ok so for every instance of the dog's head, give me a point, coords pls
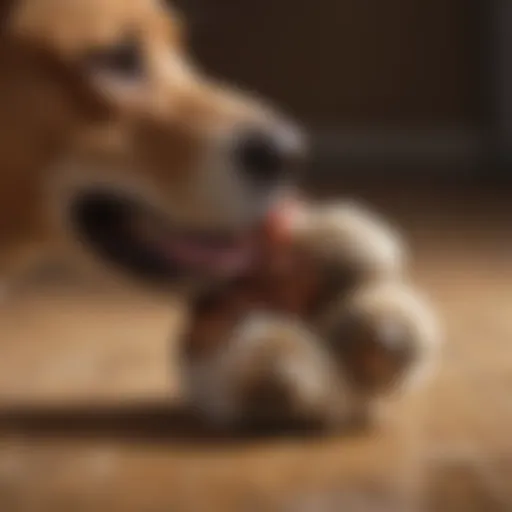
(169, 170)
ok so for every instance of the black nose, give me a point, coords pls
(266, 157)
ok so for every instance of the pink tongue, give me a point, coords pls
(233, 259)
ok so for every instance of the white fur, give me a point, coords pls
(350, 231)
(300, 361)
(419, 313)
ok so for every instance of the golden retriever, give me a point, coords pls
(110, 136)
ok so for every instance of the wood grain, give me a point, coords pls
(89, 419)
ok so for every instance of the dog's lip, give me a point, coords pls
(225, 251)
(128, 232)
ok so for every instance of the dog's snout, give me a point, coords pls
(266, 156)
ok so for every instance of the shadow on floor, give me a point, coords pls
(146, 423)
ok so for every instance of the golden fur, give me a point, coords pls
(156, 136)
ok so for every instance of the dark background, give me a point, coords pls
(395, 84)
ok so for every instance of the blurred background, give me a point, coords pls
(400, 84)
(409, 105)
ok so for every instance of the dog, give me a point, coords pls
(118, 151)
(326, 332)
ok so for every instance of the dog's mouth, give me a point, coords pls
(137, 239)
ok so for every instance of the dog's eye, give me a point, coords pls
(124, 59)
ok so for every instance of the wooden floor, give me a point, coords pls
(88, 418)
